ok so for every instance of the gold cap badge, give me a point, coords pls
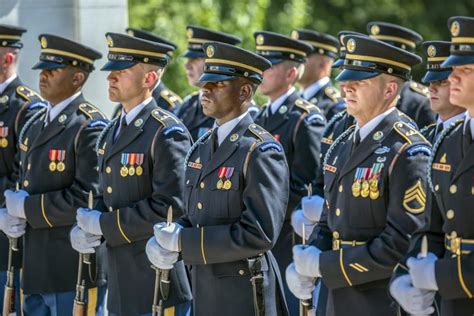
(375, 29)
(44, 42)
(189, 33)
(110, 42)
(260, 39)
(210, 51)
(294, 35)
(351, 45)
(431, 51)
(455, 28)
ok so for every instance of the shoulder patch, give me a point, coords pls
(27, 93)
(98, 123)
(333, 94)
(173, 128)
(37, 105)
(270, 145)
(419, 88)
(410, 134)
(172, 98)
(419, 149)
(91, 111)
(314, 117)
(260, 132)
(306, 106)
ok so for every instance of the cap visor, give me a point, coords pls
(47, 65)
(435, 76)
(458, 60)
(275, 61)
(349, 74)
(112, 65)
(211, 77)
(193, 54)
(338, 63)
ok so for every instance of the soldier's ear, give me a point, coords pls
(246, 92)
(79, 78)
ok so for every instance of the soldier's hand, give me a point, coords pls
(422, 272)
(168, 235)
(15, 202)
(301, 286)
(159, 256)
(306, 259)
(298, 220)
(413, 300)
(312, 207)
(84, 242)
(89, 220)
(12, 226)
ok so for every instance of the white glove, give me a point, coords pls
(159, 256)
(15, 202)
(168, 236)
(312, 207)
(413, 300)
(301, 286)
(422, 272)
(306, 259)
(12, 226)
(89, 220)
(298, 220)
(83, 242)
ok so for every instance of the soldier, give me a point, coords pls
(370, 209)
(236, 193)
(413, 100)
(141, 158)
(297, 124)
(315, 81)
(191, 112)
(164, 97)
(57, 145)
(17, 104)
(446, 267)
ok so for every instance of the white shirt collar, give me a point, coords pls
(130, 116)
(275, 105)
(450, 120)
(372, 124)
(469, 119)
(5, 84)
(315, 87)
(224, 130)
(53, 111)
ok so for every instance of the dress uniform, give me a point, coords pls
(236, 197)
(17, 104)
(450, 232)
(51, 143)
(370, 211)
(141, 158)
(321, 92)
(298, 125)
(414, 99)
(164, 97)
(191, 111)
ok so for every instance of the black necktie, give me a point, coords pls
(467, 138)
(214, 141)
(439, 129)
(356, 141)
(123, 125)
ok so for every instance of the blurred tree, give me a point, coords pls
(243, 17)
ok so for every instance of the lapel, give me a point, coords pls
(9, 91)
(277, 119)
(130, 133)
(227, 148)
(368, 145)
(55, 127)
(468, 161)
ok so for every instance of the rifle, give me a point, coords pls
(80, 305)
(162, 279)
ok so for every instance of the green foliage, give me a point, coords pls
(243, 17)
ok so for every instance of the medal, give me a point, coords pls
(220, 184)
(131, 171)
(227, 185)
(61, 155)
(52, 166)
(139, 171)
(52, 158)
(222, 171)
(365, 190)
(356, 186)
(3, 143)
(3, 136)
(124, 171)
(228, 174)
(374, 195)
(61, 166)
(132, 161)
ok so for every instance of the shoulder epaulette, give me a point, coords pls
(306, 106)
(260, 132)
(172, 98)
(91, 111)
(333, 94)
(27, 94)
(169, 122)
(419, 88)
(436, 145)
(410, 134)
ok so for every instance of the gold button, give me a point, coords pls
(200, 205)
(26, 183)
(450, 214)
(338, 212)
(335, 235)
(108, 170)
(201, 185)
(109, 190)
(437, 187)
(28, 167)
(453, 189)
(454, 234)
(340, 188)
(241, 272)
